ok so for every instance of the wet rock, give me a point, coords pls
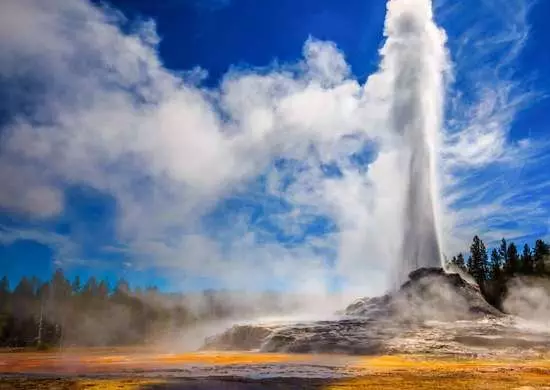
(241, 337)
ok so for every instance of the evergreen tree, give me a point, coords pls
(6, 320)
(25, 312)
(459, 262)
(503, 252)
(4, 294)
(103, 290)
(478, 263)
(23, 299)
(58, 311)
(512, 260)
(121, 292)
(122, 287)
(61, 292)
(527, 261)
(75, 286)
(35, 285)
(542, 250)
(90, 288)
(496, 265)
(61, 287)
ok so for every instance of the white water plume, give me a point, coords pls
(415, 59)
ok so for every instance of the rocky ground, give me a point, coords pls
(433, 313)
(435, 332)
(375, 373)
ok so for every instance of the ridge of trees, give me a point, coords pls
(60, 312)
(505, 262)
(64, 313)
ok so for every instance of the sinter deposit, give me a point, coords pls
(433, 312)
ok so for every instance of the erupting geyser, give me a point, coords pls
(415, 59)
(431, 310)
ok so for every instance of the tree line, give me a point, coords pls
(493, 272)
(60, 312)
(64, 313)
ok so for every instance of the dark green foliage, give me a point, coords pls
(511, 266)
(459, 261)
(541, 253)
(493, 274)
(495, 267)
(477, 263)
(61, 313)
(527, 267)
(503, 252)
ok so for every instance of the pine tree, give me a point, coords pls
(512, 260)
(103, 290)
(4, 294)
(90, 288)
(122, 287)
(61, 288)
(25, 313)
(121, 292)
(527, 261)
(484, 263)
(459, 261)
(23, 297)
(61, 295)
(542, 250)
(503, 252)
(75, 286)
(496, 265)
(478, 264)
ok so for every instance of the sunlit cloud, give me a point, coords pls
(104, 112)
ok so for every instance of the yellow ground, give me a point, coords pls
(76, 384)
(375, 373)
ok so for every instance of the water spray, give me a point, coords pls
(415, 58)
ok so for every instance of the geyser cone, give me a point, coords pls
(371, 325)
(415, 57)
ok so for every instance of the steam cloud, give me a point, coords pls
(529, 299)
(100, 110)
(416, 59)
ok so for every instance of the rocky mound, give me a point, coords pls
(429, 294)
(370, 324)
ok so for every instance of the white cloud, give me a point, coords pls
(109, 116)
(488, 176)
(105, 113)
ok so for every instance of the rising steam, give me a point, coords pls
(415, 57)
(99, 110)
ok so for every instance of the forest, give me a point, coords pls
(494, 272)
(60, 312)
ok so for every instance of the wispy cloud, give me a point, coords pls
(103, 112)
(65, 250)
(109, 116)
(490, 179)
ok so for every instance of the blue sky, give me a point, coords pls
(138, 141)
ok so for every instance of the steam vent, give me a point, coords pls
(432, 309)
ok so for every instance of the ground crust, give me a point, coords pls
(138, 369)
